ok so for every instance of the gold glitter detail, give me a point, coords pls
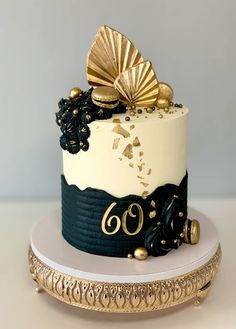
(181, 214)
(144, 184)
(153, 204)
(141, 153)
(128, 151)
(115, 143)
(120, 159)
(152, 214)
(149, 171)
(163, 241)
(132, 127)
(136, 142)
(121, 131)
(144, 194)
(116, 121)
(131, 165)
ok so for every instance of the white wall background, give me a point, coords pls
(43, 48)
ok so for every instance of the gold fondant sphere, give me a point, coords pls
(140, 253)
(165, 91)
(75, 92)
(130, 256)
(162, 103)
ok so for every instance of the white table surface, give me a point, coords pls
(21, 307)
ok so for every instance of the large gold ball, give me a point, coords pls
(75, 92)
(140, 253)
(165, 91)
(162, 103)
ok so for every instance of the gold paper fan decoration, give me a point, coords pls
(138, 85)
(110, 54)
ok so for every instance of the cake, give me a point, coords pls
(124, 140)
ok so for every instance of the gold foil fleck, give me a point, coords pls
(131, 165)
(140, 167)
(141, 153)
(136, 142)
(153, 204)
(149, 171)
(144, 194)
(128, 151)
(120, 158)
(116, 120)
(115, 143)
(132, 127)
(152, 214)
(144, 184)
(121, 131)
(140, 177)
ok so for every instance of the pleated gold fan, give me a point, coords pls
(110, 54)
(138, 85)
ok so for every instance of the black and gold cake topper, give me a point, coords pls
(115, 62)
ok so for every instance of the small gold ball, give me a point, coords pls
(166, 109)
(163, 241)
(150, 109)
(75, 112)
(140, 253)
(75, 92)
(181, 214)
(130, 256)
(165, 91)
(132, 113)
(162, 103)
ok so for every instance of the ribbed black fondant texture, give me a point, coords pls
(82, 213)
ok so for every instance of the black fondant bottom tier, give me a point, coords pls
(96, 222)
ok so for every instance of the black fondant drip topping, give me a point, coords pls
(82, 213)
(73, 117)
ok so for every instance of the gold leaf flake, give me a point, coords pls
(132, 127)
(116, 120)
(120, 158)
(121, 131)
(131, 165)
(149, 171)
(144, 184)
(141, 153)
(153, 204)
(140, 177)
(136, 142)
(115, 143)
(140, 167)
(128, 151)
(152, 214)
(144, 194)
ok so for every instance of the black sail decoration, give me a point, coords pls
(167, 233)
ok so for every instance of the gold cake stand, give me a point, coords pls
(75, 278)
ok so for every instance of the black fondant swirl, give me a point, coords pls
(82, 212)
(75, 114)
(166, 233)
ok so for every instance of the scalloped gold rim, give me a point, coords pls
(124, 297)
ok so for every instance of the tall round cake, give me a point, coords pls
(124, 182)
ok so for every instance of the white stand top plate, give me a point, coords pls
(51, 248)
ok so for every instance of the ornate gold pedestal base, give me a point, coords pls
(125, 297)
